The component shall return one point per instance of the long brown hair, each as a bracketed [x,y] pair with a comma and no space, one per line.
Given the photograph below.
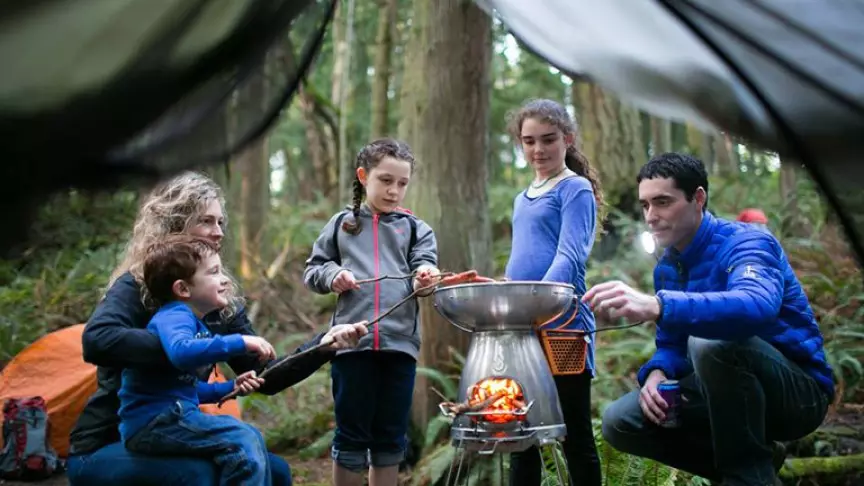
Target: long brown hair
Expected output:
[368,158]
[553,113]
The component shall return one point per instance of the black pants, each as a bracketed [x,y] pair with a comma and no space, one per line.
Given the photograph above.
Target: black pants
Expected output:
[574,392]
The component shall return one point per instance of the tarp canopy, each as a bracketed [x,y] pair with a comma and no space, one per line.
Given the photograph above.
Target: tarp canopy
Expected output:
[96,91]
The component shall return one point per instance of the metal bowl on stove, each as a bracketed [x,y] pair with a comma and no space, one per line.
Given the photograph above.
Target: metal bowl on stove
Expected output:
[502,306]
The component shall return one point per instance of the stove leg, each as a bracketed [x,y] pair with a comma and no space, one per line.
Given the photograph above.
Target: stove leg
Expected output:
[554,464]
[459,466]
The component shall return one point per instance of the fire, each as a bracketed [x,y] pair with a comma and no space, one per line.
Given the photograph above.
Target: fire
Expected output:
[506,396]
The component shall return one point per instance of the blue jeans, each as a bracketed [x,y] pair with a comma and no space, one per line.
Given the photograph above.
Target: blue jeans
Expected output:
[116,465]
[372,391]
[113,465]
[742,396]
[237,449]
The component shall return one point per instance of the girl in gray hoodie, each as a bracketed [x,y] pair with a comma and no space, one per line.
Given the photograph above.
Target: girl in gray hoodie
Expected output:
[373,383]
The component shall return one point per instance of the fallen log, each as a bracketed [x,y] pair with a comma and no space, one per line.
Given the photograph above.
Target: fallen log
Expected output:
[835,467]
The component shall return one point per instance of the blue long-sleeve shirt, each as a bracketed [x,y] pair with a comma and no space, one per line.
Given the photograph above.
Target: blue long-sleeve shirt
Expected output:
[552,238]
[193,351]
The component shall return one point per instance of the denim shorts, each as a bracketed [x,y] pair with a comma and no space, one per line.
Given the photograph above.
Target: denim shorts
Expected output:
[372,391]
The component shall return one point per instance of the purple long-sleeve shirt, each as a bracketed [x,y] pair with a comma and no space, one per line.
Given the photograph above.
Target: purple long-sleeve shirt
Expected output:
[552,238]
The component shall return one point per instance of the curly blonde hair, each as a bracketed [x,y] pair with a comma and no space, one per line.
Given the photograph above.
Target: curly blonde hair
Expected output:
[172,207]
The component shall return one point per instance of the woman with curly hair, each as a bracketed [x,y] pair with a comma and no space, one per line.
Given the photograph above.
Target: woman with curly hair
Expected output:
[116,338]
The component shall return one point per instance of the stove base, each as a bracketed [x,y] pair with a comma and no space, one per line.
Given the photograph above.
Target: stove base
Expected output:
[492,442]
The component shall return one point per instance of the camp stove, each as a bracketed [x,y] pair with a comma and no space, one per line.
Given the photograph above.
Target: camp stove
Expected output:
[507,398]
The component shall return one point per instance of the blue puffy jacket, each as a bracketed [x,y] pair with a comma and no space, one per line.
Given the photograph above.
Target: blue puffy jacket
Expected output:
[733,282]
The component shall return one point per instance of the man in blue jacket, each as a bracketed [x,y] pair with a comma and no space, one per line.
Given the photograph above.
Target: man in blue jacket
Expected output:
[734,327]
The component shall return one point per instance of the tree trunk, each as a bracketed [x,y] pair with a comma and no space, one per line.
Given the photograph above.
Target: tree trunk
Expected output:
[793,224]
[448,59]
[726,154]
[661,135]
[344,159]
[611,134]
[381,82]
[315,145]
[254,196]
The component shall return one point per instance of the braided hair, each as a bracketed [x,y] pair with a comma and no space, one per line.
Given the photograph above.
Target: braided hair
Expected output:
[368,158]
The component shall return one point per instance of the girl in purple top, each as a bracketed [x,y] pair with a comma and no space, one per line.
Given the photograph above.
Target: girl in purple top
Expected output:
[554,223]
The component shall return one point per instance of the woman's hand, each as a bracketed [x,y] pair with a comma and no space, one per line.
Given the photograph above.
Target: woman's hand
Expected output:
[345,336]
[344,281]
[247,383]
[261,347]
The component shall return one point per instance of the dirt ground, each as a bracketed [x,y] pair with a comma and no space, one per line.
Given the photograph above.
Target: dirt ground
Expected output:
[316,472]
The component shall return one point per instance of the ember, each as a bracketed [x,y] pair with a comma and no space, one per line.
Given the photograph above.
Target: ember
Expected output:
[506,396]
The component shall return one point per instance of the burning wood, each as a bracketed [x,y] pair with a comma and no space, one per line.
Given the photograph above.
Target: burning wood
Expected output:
[468,406]
[499,398]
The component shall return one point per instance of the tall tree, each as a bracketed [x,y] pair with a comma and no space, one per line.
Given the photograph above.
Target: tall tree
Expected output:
[383,54]
[611,134]
[445,109]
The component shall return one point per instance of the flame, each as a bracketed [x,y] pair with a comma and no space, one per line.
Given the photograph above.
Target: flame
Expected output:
[510,399]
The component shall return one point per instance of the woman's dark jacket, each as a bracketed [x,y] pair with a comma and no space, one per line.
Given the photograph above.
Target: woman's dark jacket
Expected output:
[115,338]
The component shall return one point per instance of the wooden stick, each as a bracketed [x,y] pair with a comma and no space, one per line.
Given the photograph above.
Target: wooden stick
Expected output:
[326,342]
[448,278]
[467,406]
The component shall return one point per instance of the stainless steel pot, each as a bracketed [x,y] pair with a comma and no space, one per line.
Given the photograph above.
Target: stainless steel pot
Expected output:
[502,317]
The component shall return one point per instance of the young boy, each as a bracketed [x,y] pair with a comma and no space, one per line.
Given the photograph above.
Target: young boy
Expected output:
[159,411]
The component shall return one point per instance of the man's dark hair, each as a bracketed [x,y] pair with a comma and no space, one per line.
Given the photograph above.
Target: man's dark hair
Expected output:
[174,258]
[686,171]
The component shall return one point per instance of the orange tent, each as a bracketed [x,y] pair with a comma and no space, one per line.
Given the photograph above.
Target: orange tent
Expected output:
[53,368]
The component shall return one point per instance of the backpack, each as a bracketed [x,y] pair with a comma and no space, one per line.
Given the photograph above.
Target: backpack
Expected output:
[338,226]
[26,452]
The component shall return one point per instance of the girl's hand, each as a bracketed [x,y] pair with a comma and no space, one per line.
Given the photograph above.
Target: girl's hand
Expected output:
[247,383]
[426,276]
[344,281]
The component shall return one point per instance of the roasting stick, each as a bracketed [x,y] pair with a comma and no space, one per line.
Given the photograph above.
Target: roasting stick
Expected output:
[447,278]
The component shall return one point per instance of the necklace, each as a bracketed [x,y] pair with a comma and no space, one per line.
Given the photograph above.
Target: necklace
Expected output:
[538,186]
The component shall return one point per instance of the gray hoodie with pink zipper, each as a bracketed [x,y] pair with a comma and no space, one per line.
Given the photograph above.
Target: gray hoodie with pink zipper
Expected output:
[383,247]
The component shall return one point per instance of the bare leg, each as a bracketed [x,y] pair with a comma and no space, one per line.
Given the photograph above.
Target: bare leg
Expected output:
[384,476]
[344,477]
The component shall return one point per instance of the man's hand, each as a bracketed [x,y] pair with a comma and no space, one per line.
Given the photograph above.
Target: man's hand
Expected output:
[345,336]
[426,276]
[261,347]
[344,281]
[613,300]
[653,405]
[247,383]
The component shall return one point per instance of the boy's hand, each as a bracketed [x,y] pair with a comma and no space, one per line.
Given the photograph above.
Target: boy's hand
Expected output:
[261,347]
[247,383]
[426,276]
[344,281]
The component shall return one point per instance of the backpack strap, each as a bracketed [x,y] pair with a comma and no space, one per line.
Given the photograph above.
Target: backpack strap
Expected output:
[411,242]
[336,229]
